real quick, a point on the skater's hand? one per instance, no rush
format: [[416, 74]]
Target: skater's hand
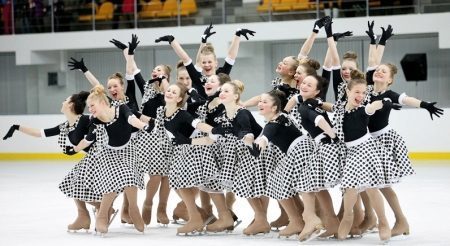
[[219, 130], [433, 110], [370, 32], [320, 23], [387, 102], [313, 103], [328, 28], [158, 79], [337, 36], [11, 131], [254, 150], [244, 32], [167, 38], [287, 89], [149, 127], [133, 44], [386, 35], [118, 44], [328, 140], [207, 33], [69, 150], [74, 64]]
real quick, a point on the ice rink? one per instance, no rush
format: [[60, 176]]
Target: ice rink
[[34, 212]]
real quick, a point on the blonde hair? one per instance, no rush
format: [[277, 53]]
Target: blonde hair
[[238, 87], [357, 77], [351, 56], [208, 49], [167, 69], [310, 62], [98, 93]]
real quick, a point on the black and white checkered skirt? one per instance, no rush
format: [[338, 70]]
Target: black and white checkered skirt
[[325, 167], [399, 162], [154, 151], [114, 169], [191, 167], [292, 173], [363, 166], [74, 184]]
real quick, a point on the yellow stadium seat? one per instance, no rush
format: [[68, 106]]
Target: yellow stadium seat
[[169, 7], [301, 5], [88, 17], [105, 12], [150, 9], [267, 5], [284, 5], [188, 7]]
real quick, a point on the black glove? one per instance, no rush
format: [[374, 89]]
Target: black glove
[[244, 32], [149, 127], [167, 38], [192, 91], [207, 33], [328, 140], [337, 36], [219, 130], [287, 89], [431, 109], [74, 64], [11, 131], [313, 103], [328, 28], [133, 44], [320, 23], [386, 35], [370, 32], [181, 140], [387, 102], [254, 150], [158, 79], [69, 150], [118, 44]]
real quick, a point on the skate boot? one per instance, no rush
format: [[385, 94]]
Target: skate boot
[[161, 215]]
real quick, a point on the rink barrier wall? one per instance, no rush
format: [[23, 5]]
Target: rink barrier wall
[[426, 139]]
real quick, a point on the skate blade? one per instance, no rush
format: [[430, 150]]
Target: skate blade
[[76, 231], [401, 237], [179, 222], [113, 216], [260, 235], [289, 237], [314, 235], [237, 222], [191, 234], [160, 225]]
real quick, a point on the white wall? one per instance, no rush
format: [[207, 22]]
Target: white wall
[[420, 132]]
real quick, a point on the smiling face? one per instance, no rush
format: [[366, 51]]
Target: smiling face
[[96, 107], [115, 89], [266, 105], [228, 94], [212, 85], [383, 75], [300, 74], [346, 69], [308, 88], [209, 64], [172, 95], [356, 94], [184, 78], [286, 67], [157, 71]]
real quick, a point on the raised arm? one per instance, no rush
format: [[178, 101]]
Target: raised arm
[[206, 34], [308, 44], [74, 64]]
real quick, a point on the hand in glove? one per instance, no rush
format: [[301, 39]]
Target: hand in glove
[[313, 103], [11, 131], [254, 150], [328, 28], [320, 23], [386, 35], [167, 38], [149, 127], [74, 64], [432, 109], [133, 44], [158, 79], [337, 36], [244, 33], [118, 44], [219, 130], [207, 33], [287, 89], [69, 150], [328, 140], [370, 32], [387, 102]]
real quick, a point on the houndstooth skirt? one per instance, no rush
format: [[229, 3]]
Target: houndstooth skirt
[[363, 167], [74, 186], [154, 151], [114, 169], [292, 173], [396, 158]]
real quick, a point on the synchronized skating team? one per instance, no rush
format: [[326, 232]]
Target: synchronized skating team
[[197, 137]]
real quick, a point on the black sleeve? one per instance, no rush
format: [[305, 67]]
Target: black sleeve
[[270, 131], [226, 69], [369, 77], [140, 81], [394, 96], [326, 75], [192, 108], [130, 93], [49, 132], [196, 77], [91, 136], [243, 119], [337, 80], [125, 111], [308, 113]]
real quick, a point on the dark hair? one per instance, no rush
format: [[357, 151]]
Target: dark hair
[[357, 77], [351, 56], [308, 69], [79, 101], [118, 76], [313, 64], [223, 78], [183, 92], [279, 99], [322, 85]]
